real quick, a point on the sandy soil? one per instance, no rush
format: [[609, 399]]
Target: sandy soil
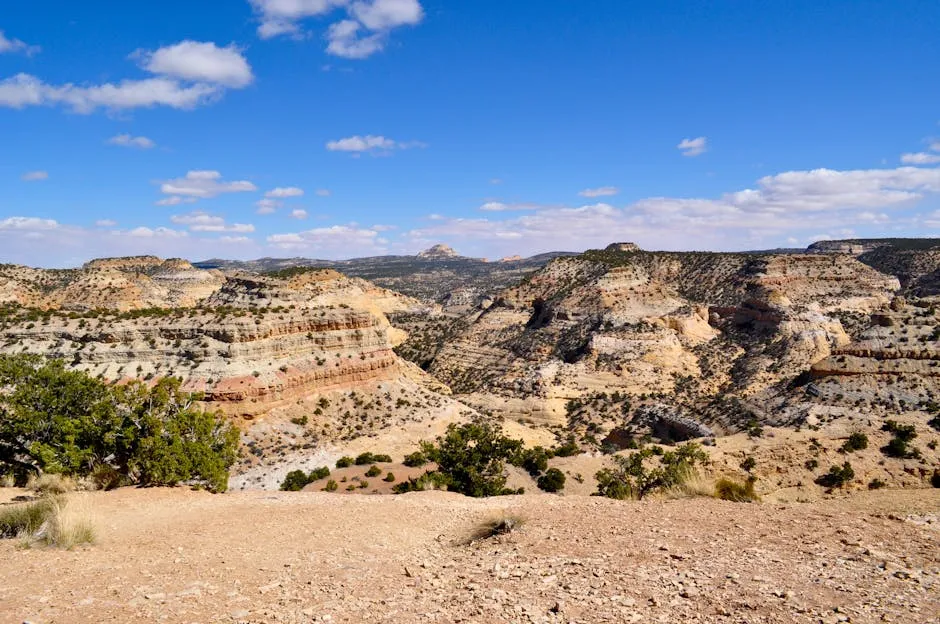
[[252, 557]]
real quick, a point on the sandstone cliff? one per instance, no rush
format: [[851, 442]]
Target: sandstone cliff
[[696, 324]]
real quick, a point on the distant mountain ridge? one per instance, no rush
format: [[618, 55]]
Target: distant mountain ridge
[[438, 275]]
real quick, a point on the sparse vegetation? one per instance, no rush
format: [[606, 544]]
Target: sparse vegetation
[[647, 470], [470, 459], [66, 422], [552, 481], [837, 476], [367, 458], [899, 445], [856, 442], [415, 460], [51, 521], [729, 490], [373, 471]]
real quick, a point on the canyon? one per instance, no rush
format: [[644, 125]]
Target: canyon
[[605, 348]]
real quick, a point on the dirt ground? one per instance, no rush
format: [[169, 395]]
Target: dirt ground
[[253, 557]]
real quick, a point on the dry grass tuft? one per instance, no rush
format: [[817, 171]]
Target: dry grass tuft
[[71, 524], [695, 485], [498, 526], [7, 481], [729, 490], [51, 521], [26, 519], [50, 484]]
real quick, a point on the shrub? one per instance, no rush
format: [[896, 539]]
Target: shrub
[[331, 486], [568, 449], [427, 481], [898, 445], [373, 471], [107, 477], [389, 478], [935, 479], [856, 442], [344, 462], [876, 484], [295, 481], [748, 464], [935, 422], [811, 464], [363, 484], [471, 457], [319, 473], [634, 477], [365, 459], [552, 481], [301, 422], [729, 490], [415, 460], [534, 460], [837, 476], [65, 422]]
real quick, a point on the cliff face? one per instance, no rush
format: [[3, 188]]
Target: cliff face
[[657, 323], [250, 343]]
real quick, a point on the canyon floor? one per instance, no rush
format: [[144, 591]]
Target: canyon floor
[[254, 556]]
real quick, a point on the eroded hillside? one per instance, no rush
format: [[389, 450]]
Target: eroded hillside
[[298, 362]]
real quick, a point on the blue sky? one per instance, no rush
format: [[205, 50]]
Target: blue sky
[[342, 128]]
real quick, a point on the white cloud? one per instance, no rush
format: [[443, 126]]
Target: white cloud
[[35, 176], [361, 144], [15, 45], [935, 147], [126, 140], [364, 32], [604, 191], [204, 185], [495, 206], [197, 61], [106, 223], [45, 242], [344, 240], [693, 147], [199, 221], [176, 200], [371, 144], [291, 191], [267, 206], [298, 213], [187, 75], [324, 192], [787, 205], [920, 158], [346, 41], [387, 14], [160, 232], [28, 223], [24, 90], [280, 17]]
